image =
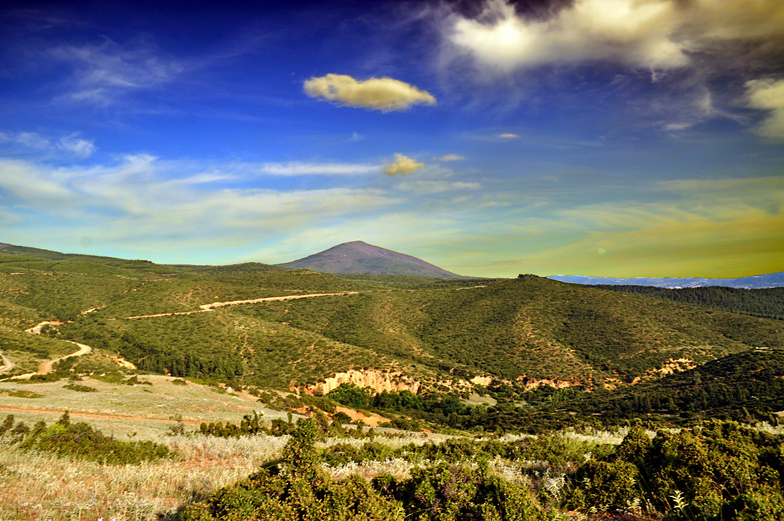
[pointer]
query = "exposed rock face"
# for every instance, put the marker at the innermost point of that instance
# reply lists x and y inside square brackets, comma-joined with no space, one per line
[376,380]
[536,383]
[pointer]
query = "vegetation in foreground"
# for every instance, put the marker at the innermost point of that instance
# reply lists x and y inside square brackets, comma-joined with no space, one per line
[719,470]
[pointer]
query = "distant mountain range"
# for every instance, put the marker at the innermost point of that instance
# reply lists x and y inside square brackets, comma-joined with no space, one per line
[360,257]
[771,280]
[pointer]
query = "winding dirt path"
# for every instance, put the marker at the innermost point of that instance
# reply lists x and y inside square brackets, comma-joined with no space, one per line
[211,307]
[7,364]
[46,367]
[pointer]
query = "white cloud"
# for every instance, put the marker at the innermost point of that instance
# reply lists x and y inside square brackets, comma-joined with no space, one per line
[103,72]
[143,197]
[33,143]
[403,165]
[508,136]
[384,94]
[298,168]
[652,34]
[356,137]
[81,148]
[768,95]
[451,157]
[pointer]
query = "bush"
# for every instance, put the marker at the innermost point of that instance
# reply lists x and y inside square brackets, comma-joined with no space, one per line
[80,440]
[294,488]
[719,470]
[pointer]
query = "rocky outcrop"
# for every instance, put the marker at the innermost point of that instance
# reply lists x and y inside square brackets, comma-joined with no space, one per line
[535,383]
[377,380]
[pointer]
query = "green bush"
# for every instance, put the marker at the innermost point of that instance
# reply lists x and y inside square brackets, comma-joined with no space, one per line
[719,470]
[80,440]
[294,488]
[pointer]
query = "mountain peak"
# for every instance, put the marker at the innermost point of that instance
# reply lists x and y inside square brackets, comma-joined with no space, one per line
[361,257]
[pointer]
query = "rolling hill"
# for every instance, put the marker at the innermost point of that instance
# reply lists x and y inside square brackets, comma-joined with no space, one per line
[300,327]
[360,257]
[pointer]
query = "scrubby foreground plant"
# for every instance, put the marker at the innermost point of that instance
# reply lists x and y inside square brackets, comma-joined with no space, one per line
[719,470]
[296,488]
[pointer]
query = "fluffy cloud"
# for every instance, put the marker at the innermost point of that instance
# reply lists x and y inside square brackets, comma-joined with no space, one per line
[384,94]
[768,95]
[656,34]
[403,165]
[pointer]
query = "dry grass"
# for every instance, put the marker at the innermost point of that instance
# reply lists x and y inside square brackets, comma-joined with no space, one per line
[37,486]
[42,486]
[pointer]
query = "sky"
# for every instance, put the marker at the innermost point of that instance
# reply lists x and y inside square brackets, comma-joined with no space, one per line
[598,137]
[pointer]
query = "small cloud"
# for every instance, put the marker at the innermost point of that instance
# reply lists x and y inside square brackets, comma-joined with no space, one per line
[403,165]
[451,157]
[674,127]
[768,95]
[384,94]
[508,136]
[81,148]
[356,137]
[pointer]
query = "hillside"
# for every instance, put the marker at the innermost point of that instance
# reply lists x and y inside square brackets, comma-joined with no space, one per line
[382,331]
[360,257]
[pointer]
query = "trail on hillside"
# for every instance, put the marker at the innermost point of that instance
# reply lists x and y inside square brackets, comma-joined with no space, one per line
[211,307]
[46,367]
[7,364]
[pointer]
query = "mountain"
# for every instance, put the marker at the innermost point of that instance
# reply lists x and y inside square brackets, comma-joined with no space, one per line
[771,280]
[360,257]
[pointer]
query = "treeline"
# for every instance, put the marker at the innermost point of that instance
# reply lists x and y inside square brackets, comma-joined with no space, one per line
[154,358]
[764,303]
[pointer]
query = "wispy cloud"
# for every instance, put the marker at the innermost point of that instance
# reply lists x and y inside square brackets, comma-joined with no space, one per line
[384,94]
[508,135]
[451,157]
[102,73]
[433,187]
[336,169]
[71,146]
[141,197]
[402,165]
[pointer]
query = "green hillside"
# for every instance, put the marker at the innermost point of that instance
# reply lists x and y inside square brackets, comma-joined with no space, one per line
[438,332]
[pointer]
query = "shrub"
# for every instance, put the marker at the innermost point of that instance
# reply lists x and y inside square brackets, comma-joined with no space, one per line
[719,470]
[81,441]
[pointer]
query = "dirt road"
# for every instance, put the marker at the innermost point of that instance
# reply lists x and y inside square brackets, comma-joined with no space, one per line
[7,364]
[46,367]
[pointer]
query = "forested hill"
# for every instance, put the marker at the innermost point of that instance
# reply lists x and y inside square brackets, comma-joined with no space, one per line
[765,303]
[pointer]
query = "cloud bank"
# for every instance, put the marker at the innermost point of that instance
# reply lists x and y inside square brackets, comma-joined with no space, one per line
[403,165]
[384,94]
[654,34]
[768,95]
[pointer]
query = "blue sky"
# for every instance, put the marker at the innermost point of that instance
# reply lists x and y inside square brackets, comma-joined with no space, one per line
[596,137]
